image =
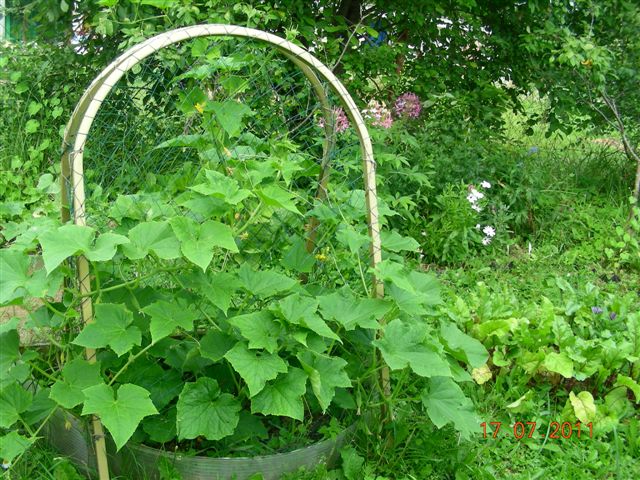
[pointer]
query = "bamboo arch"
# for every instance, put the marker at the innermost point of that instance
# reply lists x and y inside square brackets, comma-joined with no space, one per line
[79,125]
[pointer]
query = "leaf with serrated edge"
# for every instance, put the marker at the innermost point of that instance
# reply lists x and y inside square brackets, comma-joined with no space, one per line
[351,312]
[255,368]
[325,374]
[230,115]
[204,410]
[120,415]
[161,428]
[462,344]
[167,316]
[404,345]
[446,402]
[65,241]
[274,196]
[217,287]
[19,279]
[294,308]
[395,242]
[105,247]
[111,327]
[197,241]
[215,344]
[77,375]
[14,400]
[259,328]
[264,283]
[283,396]
[300,310]
[13,444]
[152,237]
[221,186]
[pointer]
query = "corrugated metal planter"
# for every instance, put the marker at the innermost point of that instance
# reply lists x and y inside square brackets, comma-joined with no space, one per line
[71,436]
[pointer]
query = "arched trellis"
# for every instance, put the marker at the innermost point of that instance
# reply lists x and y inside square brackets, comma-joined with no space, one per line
[77,132]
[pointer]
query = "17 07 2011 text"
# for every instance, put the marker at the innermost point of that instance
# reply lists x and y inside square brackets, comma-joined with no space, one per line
[520,430]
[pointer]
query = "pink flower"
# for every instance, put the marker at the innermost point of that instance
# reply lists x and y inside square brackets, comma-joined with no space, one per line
[340,119]
[408,105]
[378,113]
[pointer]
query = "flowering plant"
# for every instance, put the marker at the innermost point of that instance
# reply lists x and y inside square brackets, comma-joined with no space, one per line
[339,118]
[378,113]
[464,222]
[408,105]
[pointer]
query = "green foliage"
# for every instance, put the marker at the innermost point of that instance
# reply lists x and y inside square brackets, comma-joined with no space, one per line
[39,86]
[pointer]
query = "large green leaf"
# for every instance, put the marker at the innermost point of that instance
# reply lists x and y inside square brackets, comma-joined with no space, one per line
[426,293]
[294,308]
[221,186]
[14,400]
[408,345]
[259,328]
[631,384]
[395,242]
[583,406]
[167,316]
[152,237]
[462,346]
[217,287]
[68,240]
[355,240]
[12,445]
[446,402]
[161,428]
[9,347]
[325,374]
[351,312]
[105,247]
[111,327]
[197,241]
[198,141]
[301,310]
[283,396]
[120,415]
[230,114]
[12,369]
[215,344]
[255,368]
[397,274]
[17,280]
[559,363]
[264,283]
[297,258]
[204,410]
[277,197]
[77,375]
[163,385]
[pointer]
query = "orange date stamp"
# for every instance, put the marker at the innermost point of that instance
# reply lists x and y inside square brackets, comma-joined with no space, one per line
[520,430]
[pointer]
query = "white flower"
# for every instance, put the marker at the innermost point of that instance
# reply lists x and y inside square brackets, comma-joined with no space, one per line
[489,231]
[486,240]
[474,196]
[485,184]
[476,207]
[478,226]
